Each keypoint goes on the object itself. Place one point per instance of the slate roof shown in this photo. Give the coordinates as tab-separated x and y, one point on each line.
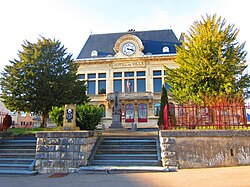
153	42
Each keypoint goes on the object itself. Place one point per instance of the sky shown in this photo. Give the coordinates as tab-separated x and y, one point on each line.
72	21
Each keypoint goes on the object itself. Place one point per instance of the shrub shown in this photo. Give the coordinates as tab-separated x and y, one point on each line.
56	115
88	116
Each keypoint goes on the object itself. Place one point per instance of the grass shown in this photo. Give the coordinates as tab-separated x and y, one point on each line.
27	131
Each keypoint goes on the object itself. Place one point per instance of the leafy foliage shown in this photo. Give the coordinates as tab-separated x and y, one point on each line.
211	63
42	77
164	102
88	116
56	115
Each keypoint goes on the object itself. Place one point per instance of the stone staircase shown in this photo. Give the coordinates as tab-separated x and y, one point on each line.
137	154
17	156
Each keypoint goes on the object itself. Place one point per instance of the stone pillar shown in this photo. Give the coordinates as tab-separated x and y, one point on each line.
69	121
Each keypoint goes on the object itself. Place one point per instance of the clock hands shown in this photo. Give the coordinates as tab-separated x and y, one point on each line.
130	49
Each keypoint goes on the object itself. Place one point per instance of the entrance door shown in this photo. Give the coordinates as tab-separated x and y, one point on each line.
130	113
142	112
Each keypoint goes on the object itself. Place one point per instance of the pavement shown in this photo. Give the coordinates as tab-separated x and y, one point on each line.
209	177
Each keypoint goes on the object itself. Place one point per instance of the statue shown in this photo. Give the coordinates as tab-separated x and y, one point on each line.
116	123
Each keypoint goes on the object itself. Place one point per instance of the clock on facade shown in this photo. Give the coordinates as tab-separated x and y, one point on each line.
128	49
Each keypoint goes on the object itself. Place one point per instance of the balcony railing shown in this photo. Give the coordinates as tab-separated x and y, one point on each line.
131	96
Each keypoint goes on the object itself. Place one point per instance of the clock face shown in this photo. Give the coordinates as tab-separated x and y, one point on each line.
128	49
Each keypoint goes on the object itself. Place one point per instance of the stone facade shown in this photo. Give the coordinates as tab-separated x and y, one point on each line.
63	151
200	149
137	77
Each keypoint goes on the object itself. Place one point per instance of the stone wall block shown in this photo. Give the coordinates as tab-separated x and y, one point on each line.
83	148
67	141
81	141
53	141
168	154
40	141
41	155
166	140
53	155
61	148
41	148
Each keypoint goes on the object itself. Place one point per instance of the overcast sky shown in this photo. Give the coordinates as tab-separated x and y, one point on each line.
72	21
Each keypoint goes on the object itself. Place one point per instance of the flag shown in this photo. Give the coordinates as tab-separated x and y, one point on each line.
128	85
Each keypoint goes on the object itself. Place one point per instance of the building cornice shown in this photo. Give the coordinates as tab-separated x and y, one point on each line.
144	58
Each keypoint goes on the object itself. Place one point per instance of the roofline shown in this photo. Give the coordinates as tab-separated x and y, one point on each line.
131	32
106	58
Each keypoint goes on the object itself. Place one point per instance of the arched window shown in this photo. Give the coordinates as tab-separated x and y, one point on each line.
165	49
94	53
130	113
157	109
142	112
104	110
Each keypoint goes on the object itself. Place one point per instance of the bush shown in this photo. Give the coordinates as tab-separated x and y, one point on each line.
88	116
56	115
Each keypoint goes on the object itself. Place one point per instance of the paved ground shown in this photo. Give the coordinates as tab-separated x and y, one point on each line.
214	177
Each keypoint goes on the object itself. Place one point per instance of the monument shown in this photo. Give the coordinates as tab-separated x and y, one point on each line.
69	121
116	123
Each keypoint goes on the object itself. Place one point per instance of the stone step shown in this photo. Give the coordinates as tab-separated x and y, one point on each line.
122	169
14	166
16	160
19	141
143	146
125	162
17	145
19	155
18	172
20	150
126	151
127	142
126	157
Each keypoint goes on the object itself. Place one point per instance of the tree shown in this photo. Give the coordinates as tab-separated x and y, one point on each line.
42	77
164	102
211	63
88	116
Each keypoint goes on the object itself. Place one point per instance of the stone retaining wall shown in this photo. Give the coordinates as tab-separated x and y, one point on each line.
63	151
200	149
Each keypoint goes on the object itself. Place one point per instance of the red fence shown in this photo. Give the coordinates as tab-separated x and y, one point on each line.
205	117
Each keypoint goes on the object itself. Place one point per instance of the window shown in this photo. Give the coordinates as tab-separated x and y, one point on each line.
140	73
165	49
141	85
129	113
23	114
101	75
129	74
157	109
104	110
129	85
157	73
142	112
94	53
81	76
118	74
102	87
157	84
91	76
91	87
118	85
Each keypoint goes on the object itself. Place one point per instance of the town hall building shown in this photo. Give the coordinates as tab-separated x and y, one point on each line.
130	63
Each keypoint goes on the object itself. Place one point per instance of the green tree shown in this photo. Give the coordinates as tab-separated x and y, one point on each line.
164	102
42	77
211	63
56	115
